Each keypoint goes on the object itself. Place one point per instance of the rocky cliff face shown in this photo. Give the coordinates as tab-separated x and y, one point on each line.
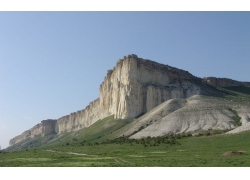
133	87
136	86
45	128
80	119
224	82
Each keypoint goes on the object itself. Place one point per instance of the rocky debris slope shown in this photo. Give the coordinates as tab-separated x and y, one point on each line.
244	114
190	115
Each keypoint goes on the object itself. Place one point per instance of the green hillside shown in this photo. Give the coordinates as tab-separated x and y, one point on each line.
103	144
187	151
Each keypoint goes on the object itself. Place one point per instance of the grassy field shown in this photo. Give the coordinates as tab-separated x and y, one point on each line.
203	151
99	146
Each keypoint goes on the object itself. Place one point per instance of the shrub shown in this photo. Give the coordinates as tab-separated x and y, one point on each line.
200	134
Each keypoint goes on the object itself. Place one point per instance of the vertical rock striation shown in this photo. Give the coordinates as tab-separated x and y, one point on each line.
79	119
133	87
46	127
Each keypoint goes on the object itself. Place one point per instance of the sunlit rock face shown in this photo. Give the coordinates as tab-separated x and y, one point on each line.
133	87
46	127
80	119
136	86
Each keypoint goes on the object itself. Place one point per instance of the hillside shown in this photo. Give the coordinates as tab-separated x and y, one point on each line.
179	151
146	98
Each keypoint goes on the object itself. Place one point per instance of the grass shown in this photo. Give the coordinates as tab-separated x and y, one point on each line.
236	118
99	145
204	151
237	94
96	133
239	89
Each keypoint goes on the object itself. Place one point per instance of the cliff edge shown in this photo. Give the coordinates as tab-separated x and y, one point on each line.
132	88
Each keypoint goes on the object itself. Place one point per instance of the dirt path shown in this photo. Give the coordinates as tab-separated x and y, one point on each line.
50	150
116	159
76	153
120	160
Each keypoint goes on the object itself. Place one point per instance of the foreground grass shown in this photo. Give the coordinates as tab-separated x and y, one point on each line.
204	151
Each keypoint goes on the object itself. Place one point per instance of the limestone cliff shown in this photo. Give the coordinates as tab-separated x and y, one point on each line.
79	119
136	86
133	87
45	128
224	82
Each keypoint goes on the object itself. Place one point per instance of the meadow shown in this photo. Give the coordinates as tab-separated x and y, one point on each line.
98	146
185	151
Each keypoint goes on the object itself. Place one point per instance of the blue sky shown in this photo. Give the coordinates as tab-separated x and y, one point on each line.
52	63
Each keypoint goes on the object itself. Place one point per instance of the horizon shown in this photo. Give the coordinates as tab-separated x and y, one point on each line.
52	63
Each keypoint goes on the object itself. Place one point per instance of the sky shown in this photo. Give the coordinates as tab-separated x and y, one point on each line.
52	63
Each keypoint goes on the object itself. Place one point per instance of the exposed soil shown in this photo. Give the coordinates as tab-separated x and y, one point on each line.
233	153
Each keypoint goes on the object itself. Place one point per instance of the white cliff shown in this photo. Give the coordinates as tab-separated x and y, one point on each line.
44	128
135	86
132	88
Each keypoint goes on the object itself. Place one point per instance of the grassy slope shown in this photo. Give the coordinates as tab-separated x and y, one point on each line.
238	94
96	133
240	89
192	151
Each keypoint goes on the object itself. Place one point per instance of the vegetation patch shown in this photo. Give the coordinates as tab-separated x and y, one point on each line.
202	151
239	89
236	118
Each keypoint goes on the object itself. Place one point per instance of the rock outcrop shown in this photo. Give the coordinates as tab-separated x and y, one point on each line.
80	119
133	87
189	115
224	82
46	127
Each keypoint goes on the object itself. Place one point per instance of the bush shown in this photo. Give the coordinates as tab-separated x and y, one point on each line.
200	134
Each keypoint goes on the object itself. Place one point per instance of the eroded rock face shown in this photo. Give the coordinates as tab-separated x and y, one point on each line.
224	82
135	86
79	119
192	114
46	127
